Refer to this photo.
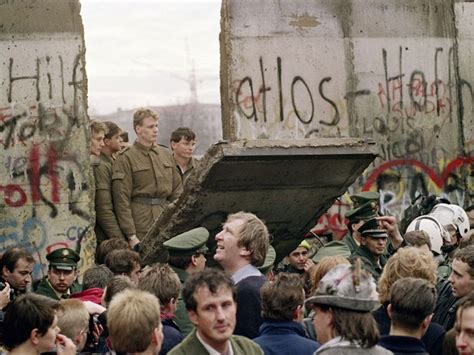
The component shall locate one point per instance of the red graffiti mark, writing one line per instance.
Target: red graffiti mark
(14, 196)
(333, 221)
(439, 180)
(53, 176)
(55, 246)
(35, 174)
(35, 167)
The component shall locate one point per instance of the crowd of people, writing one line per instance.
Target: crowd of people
(377, 291)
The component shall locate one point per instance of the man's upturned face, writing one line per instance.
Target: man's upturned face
(97, 142)
(214, 317)
(375, 245)
(61, 280)
(298, 258)
(147, 131)
(184, 148)
(461, 281)
(228, 250)
(21, 275)
(465, 331)
(114, 143)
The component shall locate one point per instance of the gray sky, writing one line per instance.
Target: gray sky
(136, 52)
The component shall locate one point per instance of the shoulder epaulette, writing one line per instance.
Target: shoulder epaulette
(123, 150)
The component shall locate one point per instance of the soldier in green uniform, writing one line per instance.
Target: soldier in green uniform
(183, 141)
(365, 208)
(144, 179)
(373, 249)
(106, 225)
(61, 280)
(186, 256)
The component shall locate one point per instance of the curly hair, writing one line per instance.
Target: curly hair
(407, 262)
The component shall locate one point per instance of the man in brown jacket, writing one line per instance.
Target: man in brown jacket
(144, 180)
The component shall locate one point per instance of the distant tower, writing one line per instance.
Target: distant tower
(192, 77)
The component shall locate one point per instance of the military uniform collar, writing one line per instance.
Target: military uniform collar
(145, 149)
(59, 294)
(106, 158)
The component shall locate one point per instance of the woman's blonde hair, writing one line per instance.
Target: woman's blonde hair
(321, 269)
(407, 262)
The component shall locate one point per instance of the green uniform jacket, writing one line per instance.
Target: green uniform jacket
(369, 261)
(192, 165)
(142, 172)
(350, 242)
(181, 314)
(192, 345)
(106, 224)
(44, 288)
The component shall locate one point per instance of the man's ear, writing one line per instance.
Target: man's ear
(245, 252)
(389, 310)
(173, 145)
(193, 260)
(426, 323)
(5, 272)
(192, 315)
(34, 336)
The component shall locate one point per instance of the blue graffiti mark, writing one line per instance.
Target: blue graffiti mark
(73, 233)
(10, 236)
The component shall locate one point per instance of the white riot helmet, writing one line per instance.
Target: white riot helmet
(435, 230)
(449, 214)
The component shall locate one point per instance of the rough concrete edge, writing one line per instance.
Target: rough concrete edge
(225, 50)
(160, 231)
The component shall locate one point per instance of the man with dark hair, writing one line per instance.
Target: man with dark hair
(30, 327)
(61, 280)
(144, 179)
(241, 247)
(94, 281)
(210, 300)
(16, 266)
(106, 225)
(342, 319)
(124, 262)
(186, 256)
(465, 325)
(412, 302)
(282, 308)
(183, 141)
(161, 281)
(458, 285)
(104, 248)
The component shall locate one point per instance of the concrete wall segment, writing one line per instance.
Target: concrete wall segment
(44, 130)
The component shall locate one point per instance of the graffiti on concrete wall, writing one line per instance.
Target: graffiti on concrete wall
(44, 184)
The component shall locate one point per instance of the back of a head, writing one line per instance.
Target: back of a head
(282, 296)
(73, 318)
(210, 278)
(417, 238)
(107, 246)
(118, 284)
(323, 266)
(132, 317)
(97, 276)
(26, 313)
(253, 235)
(162, 281)
(411, 301)
(406, 262)
(122, 261)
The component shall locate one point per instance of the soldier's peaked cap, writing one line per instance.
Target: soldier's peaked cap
(372, 228)
(188, 243)
(63, 259)
(367, 211)
(363, 197)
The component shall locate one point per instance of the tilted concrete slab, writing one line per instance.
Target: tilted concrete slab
(288, 183)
